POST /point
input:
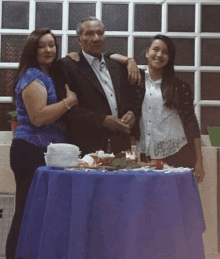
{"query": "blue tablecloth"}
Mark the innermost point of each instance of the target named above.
(112, 215)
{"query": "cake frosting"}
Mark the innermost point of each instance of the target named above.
(61, 147)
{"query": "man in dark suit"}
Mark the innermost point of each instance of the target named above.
(106, 111)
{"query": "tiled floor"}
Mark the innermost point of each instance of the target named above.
(6, 214)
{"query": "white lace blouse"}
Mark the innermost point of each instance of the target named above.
(161, 128)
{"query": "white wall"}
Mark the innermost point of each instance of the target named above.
(7, 183)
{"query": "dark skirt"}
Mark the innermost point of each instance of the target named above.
(185, 157)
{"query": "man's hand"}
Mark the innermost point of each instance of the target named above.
(128, 119)
(114, 124)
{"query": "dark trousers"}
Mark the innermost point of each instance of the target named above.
(25, 158)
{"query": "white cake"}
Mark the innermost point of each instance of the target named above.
(62, 147)
(62, 155)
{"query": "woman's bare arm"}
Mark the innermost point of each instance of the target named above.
(134, 75)
(198, 168)
(35, 100)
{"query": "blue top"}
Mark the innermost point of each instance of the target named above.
(44, 135)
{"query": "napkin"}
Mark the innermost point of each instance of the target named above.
(88, 159)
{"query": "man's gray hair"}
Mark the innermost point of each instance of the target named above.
(79, 28)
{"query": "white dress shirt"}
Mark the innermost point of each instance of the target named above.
(161, 128)
(105, 80)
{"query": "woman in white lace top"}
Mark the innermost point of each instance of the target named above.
(168, 125)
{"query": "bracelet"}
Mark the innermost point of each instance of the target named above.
(66, 104)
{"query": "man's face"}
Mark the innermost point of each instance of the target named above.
(92, 38)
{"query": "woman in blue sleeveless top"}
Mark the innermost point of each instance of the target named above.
(38, 116)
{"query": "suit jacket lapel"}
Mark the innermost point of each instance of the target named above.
(85, 69)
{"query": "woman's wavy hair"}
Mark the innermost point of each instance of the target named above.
(168, 75)
(28, 57)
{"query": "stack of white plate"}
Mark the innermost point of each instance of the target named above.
(62, 155)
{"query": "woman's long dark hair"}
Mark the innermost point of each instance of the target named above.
(28, 57)
(168, 75)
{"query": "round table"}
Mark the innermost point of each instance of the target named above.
(122, 214)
